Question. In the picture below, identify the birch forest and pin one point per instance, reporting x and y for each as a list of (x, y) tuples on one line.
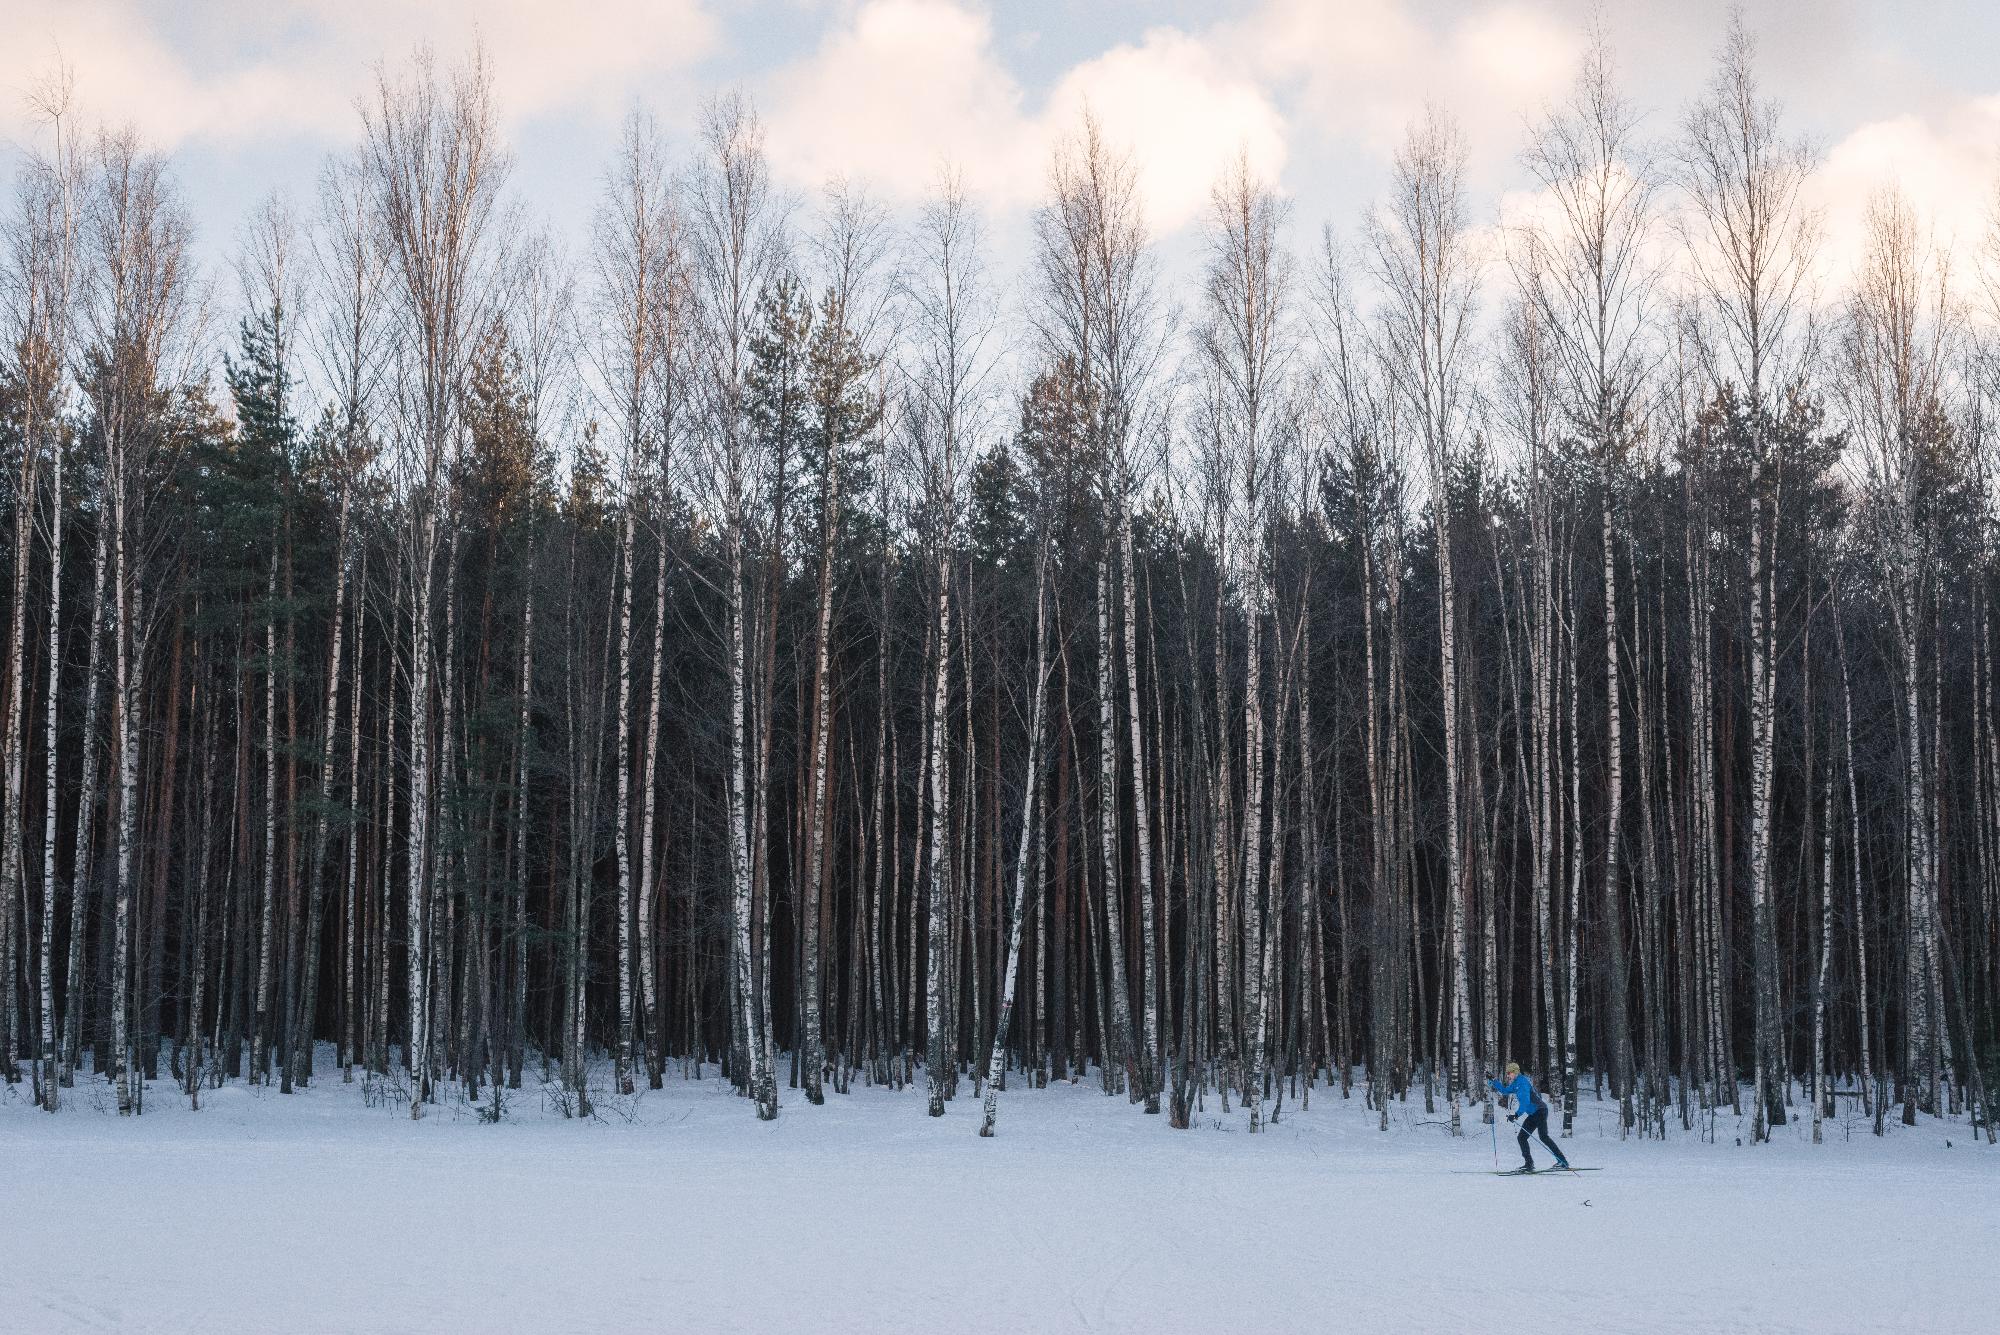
[(768, 639)]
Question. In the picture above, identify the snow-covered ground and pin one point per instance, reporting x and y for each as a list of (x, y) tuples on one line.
[(677, 1211)]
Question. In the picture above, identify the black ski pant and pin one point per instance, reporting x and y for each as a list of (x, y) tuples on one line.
[(1537, 1123)]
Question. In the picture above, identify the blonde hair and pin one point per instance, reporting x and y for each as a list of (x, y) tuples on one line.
[(1513, 1068)]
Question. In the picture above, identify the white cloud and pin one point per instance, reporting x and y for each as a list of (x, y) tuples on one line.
[(1944, 163), (910, 83), (1516, 55), (1363, 71), (886, 98), (890, 88), (245, 71), (1184, 112)]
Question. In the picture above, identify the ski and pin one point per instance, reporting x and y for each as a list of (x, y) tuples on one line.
[(1520, 1172), (1543, 1172)]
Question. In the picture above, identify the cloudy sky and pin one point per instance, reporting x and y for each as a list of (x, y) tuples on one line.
[(247, 95)]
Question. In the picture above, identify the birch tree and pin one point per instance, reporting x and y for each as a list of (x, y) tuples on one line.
[(947, 372), (637, 243), (736, 238), (843, 411), (40, 289), (1897, 350), (345, 337), (1750, 236), (1026, 864), (437, 170), (1243, 341), (1424, 263), (1594, 284), (141, 313), (1096, 313)]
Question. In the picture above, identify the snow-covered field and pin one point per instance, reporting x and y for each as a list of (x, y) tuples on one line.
[(677, 1211)]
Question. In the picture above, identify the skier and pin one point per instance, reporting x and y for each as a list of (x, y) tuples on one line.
[(1537, 1123)]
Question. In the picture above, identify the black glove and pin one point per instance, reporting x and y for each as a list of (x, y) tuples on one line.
[(1513, 1117)]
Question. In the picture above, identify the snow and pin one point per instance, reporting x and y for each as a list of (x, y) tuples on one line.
[(676, 1210)]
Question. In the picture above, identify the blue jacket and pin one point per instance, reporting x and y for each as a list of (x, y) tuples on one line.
[(1523, 1091)]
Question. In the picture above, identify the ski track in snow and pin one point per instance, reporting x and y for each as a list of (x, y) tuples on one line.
[(675, 1210)]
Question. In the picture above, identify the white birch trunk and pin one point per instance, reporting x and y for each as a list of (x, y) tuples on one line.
[(1763, 731), (1455, 879), (1571, 1076), (1854, 832), (1149, 1059), (351, 915), (762, 1087), (649, 804), (938, 938), (129, 684), (1024, 861), (1252, 896), (517, 1056), (417, 876), (627, 1047), (1614, 802), (813, 1059), (47, 1059), (80, 866), (13, 870), (267, 933), (322, 826), (1819, 1089), (1119, 1060)]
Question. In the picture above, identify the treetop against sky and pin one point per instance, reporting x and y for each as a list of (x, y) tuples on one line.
[(248, 97)]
